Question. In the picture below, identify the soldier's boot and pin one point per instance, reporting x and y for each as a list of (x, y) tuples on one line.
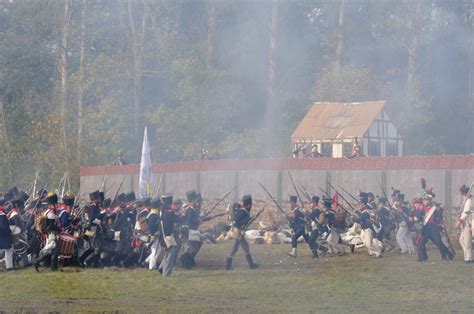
[(252, 265), (228, 263), (186, 261), (292, 253), (54, 262), (315, 253)]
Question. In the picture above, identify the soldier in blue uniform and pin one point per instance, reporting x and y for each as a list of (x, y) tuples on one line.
[(297, 223), (241, 219), (374, 247), (168, 220), (92, 231), (191, 233), (64, 214), (313, 217)]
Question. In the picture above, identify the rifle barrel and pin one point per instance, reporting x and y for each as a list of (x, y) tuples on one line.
[(272, 198), (296, 190)]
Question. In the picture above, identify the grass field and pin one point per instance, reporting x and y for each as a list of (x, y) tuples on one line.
[(352, 283)]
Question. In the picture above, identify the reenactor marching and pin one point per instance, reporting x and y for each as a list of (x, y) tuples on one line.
[(240, 216), (298, 225)]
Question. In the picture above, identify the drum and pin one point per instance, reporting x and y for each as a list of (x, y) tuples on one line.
[(15, 230), (20, 247), (16, 233), (67, 244)]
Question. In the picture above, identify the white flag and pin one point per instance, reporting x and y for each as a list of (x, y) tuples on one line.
[(146, 176)]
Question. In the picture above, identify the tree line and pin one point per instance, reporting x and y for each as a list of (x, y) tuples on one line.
[(80, 79)]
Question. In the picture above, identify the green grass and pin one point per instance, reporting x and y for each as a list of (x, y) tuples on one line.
[(352, 283)]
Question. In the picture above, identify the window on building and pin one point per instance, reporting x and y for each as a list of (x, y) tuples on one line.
[(374, 148), (326, 149), (347, 149), (392, 148)]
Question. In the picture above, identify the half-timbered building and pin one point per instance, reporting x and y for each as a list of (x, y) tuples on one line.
[(336, 127)]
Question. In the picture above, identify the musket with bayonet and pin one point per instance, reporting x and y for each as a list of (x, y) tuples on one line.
[(343, 198), (348, 193), (102, 186), (116, 193), (33, 213), (272, 198), (158, 185), (296, 190), (253, 218), (384, 193), (215, 216), (305, 192), (343, 208), (218, 202)]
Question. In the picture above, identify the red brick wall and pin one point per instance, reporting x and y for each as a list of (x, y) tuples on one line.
[(364, 163)]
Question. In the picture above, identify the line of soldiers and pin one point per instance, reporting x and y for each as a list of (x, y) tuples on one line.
[(126, 232), (379, 224)]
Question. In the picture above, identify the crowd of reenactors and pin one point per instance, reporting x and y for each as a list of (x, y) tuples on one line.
[(45, 230)]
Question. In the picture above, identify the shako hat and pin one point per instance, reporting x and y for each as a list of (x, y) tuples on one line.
[(247, 200), (191, 195)]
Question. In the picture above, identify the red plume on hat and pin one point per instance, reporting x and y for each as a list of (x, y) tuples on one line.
[(423, 183)]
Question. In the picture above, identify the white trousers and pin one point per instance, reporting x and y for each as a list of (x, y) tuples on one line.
[(155, 253), (465, 239), (8, 258), (374, 246), (404, 240), (333, 242)]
